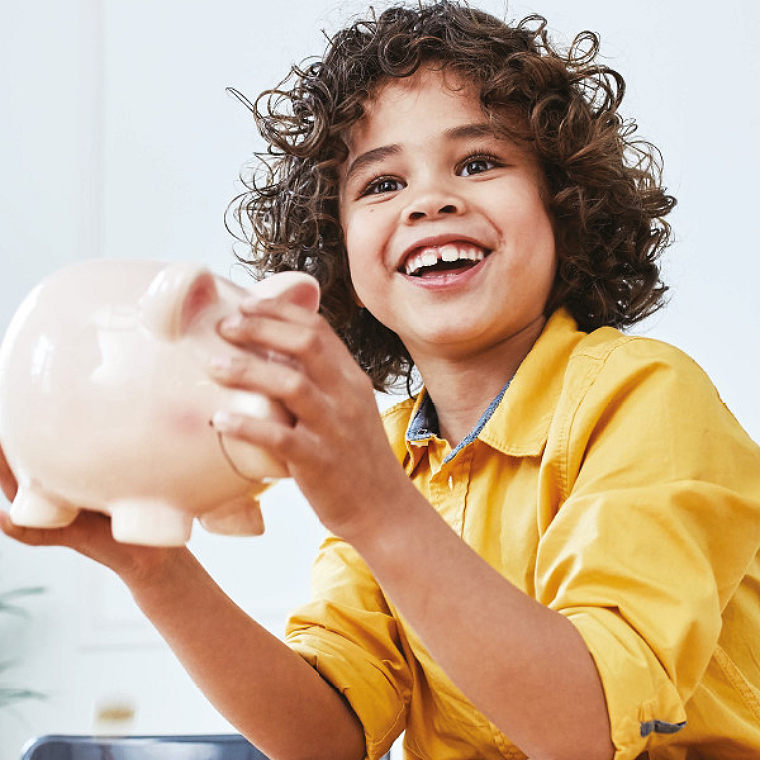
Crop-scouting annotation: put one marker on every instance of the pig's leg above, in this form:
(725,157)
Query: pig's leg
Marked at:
(150,522)
(239,517)
(33,509)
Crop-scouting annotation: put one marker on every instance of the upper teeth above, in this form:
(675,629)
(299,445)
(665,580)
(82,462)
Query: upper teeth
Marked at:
(431,255)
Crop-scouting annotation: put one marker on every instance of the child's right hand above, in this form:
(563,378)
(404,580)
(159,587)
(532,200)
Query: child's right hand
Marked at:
(90,535)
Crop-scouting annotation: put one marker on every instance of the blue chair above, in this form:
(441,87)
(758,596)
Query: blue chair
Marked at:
(208,747)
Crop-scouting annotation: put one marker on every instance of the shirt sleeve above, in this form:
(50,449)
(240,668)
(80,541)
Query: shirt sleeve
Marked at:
(348,634)
(658,523)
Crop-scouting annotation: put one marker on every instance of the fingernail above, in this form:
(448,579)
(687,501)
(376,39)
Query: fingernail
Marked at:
(223,421)
(220,364)
(231,323)
(252,304)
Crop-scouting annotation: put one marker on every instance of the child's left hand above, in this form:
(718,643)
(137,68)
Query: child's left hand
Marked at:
(335,448)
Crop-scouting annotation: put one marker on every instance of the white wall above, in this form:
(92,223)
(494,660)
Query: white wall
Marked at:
(118,139)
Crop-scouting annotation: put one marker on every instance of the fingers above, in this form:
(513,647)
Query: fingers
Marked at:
(330,398)
(284,329)
(30,536)
(282,441)
(286,384)
(89,534)
(314,361)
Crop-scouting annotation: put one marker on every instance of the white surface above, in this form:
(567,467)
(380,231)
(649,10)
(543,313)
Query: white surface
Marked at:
(118,139)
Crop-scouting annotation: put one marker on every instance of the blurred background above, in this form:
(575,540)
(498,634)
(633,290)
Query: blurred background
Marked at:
(117,139)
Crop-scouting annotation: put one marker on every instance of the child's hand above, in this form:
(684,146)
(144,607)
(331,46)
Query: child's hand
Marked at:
(335,448)
(263,693)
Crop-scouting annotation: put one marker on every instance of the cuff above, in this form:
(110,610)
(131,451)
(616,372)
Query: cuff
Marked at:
(644,706)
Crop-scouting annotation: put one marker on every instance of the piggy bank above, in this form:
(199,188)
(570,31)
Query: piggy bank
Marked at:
(106,401)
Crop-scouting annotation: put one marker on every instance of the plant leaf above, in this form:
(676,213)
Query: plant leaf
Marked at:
(15,609)
(9,694)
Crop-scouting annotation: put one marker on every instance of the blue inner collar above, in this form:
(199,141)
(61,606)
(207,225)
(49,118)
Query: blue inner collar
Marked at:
(424,424)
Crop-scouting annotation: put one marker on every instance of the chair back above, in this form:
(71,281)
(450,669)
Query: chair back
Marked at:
(185,747)
(200,747)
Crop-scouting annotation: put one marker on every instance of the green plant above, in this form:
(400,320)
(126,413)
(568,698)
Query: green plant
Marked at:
(9,694)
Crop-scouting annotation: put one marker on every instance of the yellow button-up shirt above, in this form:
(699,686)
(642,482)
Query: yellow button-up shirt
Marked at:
(611,484)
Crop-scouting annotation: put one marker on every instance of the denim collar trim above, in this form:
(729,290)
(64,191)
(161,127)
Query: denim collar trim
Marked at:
(424,424)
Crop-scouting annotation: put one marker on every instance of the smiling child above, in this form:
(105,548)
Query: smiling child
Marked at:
(551,548)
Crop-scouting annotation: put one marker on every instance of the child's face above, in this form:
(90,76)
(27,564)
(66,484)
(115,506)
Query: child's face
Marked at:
(449,243)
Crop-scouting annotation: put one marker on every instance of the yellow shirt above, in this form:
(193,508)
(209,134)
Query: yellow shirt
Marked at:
(612,485)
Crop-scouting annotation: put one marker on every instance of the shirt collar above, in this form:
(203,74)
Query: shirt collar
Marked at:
(424,423)
(519,423)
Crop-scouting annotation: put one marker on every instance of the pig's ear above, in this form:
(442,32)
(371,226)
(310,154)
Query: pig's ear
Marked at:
(296,287)
(177,295)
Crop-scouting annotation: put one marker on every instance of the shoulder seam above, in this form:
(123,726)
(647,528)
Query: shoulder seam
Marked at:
(598,359)
(605,350)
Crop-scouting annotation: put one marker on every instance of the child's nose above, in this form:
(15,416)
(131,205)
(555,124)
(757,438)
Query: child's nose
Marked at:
(431,204)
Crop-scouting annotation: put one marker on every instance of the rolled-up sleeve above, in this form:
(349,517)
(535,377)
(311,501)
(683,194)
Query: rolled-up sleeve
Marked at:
(657,525)
(349,636)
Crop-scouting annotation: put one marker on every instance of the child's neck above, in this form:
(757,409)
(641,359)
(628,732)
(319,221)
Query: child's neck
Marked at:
(462,389)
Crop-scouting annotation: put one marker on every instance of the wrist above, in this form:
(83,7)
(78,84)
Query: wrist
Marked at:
(391,527)
(151,568)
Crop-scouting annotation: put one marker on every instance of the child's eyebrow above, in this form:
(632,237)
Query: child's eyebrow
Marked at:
(371,157)
(461,132)
(466,131)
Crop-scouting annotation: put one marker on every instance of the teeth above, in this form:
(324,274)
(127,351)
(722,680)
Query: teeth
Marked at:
(430,256)
(449,252)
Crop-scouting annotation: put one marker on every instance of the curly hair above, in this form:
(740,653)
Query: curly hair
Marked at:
(603,189)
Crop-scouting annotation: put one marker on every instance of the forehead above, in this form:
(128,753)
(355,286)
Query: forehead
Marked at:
(430,98)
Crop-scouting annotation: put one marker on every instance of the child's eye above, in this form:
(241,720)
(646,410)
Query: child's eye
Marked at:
(382,185)
(477,165)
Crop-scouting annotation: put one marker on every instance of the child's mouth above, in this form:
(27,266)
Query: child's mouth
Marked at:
(450,257)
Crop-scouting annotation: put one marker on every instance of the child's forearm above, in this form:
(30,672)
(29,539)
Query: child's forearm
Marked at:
(267,691)
(523,665)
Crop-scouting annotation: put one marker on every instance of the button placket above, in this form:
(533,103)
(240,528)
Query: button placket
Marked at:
(450,485)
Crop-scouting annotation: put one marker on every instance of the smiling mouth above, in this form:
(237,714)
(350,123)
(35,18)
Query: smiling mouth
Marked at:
(431,260)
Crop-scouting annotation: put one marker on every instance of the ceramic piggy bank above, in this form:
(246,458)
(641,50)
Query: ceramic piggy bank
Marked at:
(106,401)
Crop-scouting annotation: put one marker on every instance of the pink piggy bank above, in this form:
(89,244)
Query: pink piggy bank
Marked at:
(106,401)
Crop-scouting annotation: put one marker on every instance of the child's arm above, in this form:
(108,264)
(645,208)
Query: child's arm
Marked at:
(518,661)
(260,685)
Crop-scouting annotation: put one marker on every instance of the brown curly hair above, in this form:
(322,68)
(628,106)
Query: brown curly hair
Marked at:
(603,188)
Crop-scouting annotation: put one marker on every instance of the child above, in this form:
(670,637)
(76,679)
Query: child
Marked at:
(557,554)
